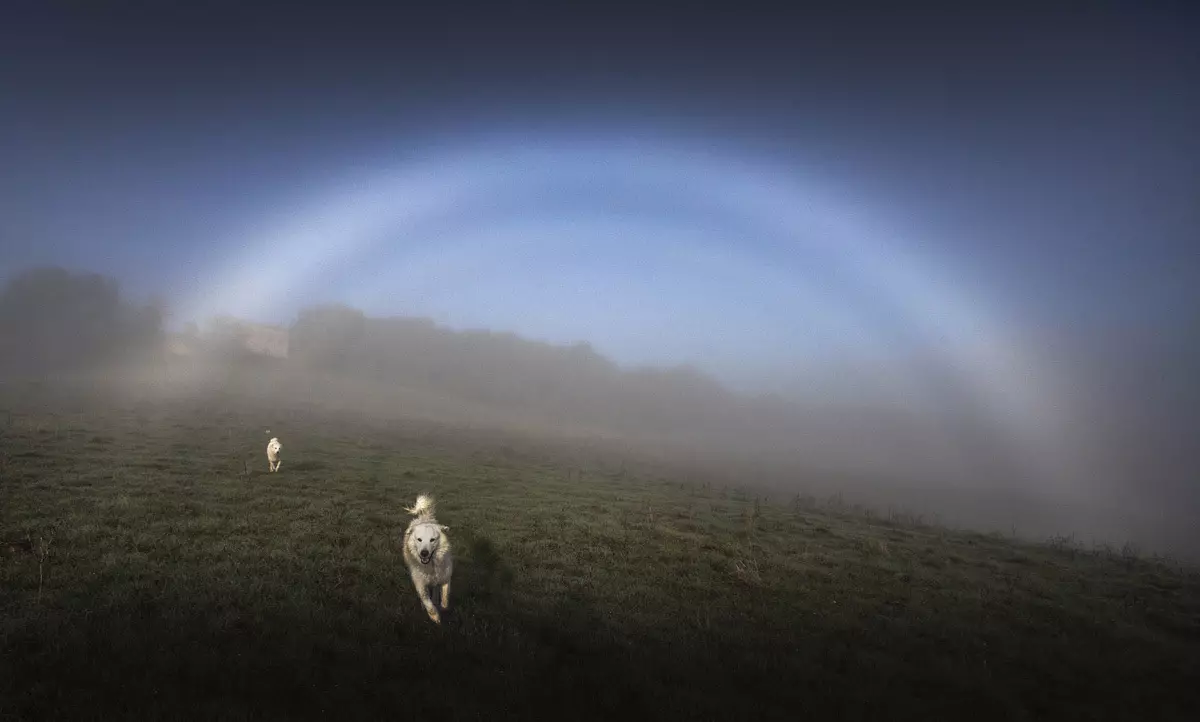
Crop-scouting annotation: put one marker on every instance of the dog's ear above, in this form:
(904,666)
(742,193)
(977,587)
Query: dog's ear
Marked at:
(443,527)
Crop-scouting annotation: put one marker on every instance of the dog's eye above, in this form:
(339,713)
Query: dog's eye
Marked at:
(420,539)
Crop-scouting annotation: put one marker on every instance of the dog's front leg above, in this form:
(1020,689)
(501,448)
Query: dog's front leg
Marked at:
(446,595)
(423,593)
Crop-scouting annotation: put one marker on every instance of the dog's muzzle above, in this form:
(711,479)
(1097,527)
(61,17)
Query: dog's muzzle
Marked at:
(425,557)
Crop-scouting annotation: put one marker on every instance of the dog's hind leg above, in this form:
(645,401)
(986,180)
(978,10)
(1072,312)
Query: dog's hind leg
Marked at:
(446,595)
(423,593)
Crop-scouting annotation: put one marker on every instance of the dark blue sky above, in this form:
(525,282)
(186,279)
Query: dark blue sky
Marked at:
(1038,164)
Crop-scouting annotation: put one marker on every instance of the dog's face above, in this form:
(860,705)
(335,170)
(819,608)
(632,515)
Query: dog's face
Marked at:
(275,445)
(425,540)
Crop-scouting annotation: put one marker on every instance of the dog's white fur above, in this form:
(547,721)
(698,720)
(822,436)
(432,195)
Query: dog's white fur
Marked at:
(427,555)
(273,447)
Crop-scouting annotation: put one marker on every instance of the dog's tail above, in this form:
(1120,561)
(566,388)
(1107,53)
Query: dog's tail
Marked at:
(423,508)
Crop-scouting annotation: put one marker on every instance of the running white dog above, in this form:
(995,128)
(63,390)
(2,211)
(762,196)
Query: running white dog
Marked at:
(273,448)
(427,555)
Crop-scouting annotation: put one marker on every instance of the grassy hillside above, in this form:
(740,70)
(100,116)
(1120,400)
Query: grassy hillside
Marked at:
(166,574)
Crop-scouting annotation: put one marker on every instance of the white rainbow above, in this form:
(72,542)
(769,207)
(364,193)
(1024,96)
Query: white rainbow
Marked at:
(439,196)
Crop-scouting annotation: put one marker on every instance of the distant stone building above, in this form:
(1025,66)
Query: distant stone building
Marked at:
(226,333)
(263,339)
(179,344)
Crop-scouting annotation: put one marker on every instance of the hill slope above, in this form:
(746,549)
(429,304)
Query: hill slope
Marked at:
(168,575)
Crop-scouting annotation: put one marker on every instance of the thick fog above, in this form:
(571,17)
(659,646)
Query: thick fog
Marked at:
(1116,466)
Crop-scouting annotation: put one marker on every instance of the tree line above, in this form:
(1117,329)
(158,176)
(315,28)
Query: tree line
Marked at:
(503,369)
(52,319)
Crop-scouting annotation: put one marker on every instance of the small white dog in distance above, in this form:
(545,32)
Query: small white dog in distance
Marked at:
(273,447)
(427,555)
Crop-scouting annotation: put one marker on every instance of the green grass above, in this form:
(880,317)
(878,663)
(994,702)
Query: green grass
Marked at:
(170,576)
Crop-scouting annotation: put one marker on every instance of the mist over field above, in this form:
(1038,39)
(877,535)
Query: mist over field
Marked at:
(839,430)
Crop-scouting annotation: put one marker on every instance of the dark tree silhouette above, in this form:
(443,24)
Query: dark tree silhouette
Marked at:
(503,369)
(52,319)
